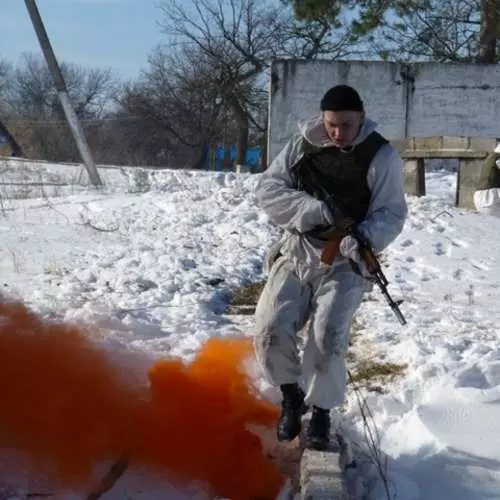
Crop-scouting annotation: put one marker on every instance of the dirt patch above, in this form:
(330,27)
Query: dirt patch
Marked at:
(375,375)
(367,367)
(245,298)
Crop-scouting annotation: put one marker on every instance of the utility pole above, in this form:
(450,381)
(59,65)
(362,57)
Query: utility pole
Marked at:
(62,93)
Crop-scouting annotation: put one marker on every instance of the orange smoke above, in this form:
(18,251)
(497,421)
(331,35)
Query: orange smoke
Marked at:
(67,406)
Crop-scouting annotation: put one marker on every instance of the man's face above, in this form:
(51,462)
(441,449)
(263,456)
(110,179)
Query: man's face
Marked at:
(342,127)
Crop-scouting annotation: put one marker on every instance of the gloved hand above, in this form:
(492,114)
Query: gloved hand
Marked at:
(349,248)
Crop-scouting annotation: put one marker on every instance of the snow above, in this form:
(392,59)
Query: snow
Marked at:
(151,259)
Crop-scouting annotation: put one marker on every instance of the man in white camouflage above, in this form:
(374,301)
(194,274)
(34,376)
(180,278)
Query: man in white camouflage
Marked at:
(363,173)
(487,195)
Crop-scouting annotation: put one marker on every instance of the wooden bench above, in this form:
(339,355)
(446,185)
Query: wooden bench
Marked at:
(470,152)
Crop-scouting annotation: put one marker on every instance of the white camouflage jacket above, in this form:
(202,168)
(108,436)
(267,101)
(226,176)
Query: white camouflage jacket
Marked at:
(297,212)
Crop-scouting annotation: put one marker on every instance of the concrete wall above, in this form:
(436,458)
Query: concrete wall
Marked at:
(419,99)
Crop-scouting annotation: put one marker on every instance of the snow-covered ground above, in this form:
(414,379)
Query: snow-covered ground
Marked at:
(151,258)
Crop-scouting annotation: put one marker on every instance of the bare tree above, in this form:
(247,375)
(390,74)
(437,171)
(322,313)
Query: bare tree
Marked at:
(489,33)
(241,37)
(5,71)
(32,91)
(35,112)
(177,104)
(438,30)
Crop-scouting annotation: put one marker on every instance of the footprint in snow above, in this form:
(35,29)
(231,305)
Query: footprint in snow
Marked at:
(439,249)
(427,274)
(458,243)
(479,265)
(416,225)
(406,243)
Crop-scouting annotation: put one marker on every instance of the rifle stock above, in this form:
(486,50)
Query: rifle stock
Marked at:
(341,229)
(331,250)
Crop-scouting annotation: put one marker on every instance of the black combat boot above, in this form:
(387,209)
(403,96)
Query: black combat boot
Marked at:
(292,409)
(318,432)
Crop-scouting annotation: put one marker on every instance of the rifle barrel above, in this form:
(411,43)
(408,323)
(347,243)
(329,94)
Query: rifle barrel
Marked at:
(393,305)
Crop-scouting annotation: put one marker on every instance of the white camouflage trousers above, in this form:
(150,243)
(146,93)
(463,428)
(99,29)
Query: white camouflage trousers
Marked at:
(325,303)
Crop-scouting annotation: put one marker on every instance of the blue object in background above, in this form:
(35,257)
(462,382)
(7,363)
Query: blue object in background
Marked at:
(252,160)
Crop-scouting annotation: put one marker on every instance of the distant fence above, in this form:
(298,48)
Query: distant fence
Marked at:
(220,158)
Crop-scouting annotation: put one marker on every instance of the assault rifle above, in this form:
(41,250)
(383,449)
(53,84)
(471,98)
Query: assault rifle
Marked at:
(346,226)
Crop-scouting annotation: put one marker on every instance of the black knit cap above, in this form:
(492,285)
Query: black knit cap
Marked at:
(341,98)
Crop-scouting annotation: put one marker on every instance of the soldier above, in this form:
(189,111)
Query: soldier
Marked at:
(363,173)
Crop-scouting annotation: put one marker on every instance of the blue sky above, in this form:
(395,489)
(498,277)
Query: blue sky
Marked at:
(119,34)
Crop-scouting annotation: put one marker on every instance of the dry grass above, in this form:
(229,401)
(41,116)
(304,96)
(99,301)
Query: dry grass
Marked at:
(356,331)
(368,370)
(248,294)
(374,375)
(245,298)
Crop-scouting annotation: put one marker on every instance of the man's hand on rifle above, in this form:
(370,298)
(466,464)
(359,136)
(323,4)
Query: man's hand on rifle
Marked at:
(349,248)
